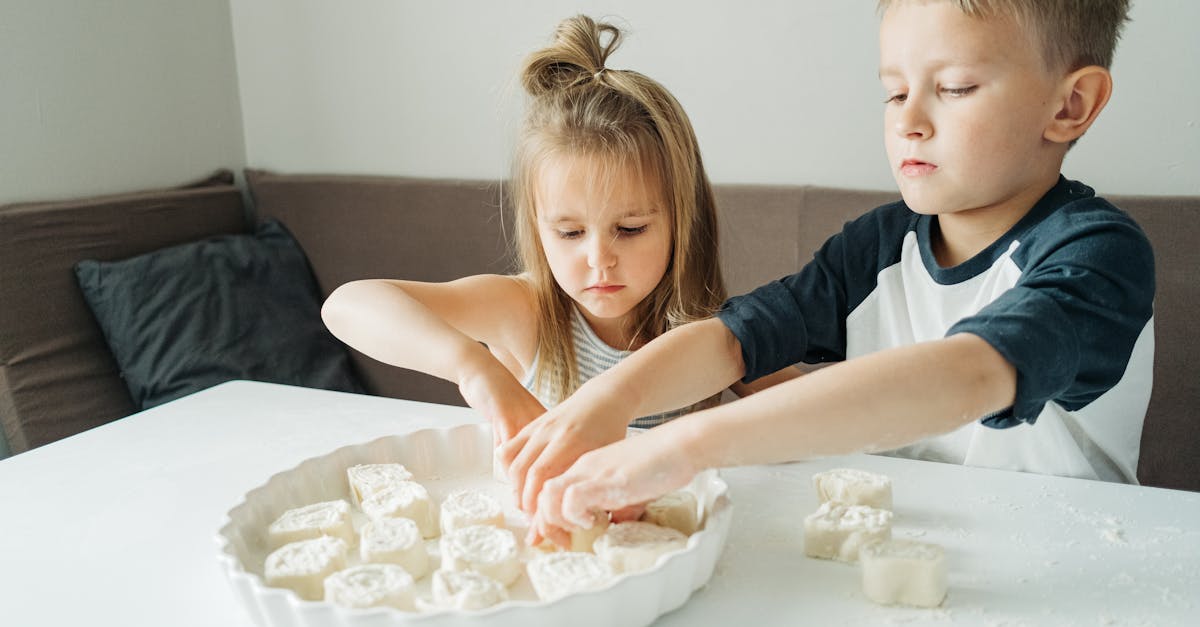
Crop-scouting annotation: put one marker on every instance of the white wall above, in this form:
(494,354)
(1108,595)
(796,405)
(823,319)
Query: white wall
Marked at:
(780,91)
(99,97)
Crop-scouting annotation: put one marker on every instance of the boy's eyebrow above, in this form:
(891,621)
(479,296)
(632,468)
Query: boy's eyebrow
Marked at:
(889,71)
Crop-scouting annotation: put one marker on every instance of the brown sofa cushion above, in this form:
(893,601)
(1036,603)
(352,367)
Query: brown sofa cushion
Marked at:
(360,227)
(57,377)
(1171,435)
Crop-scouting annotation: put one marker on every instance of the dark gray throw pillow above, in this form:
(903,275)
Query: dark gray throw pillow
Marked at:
(185,318)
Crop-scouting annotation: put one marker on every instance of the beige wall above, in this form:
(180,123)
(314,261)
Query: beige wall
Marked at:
(780,91)
(99,97)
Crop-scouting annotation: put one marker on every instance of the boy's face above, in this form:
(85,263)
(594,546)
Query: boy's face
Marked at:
(968,101)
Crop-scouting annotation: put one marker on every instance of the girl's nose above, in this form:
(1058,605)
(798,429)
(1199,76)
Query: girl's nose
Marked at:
(600,252)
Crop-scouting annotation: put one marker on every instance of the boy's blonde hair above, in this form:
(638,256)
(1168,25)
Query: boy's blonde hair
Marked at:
(1073,33)
(625,122)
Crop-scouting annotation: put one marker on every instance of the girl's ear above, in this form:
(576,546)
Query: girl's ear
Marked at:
(1083,95)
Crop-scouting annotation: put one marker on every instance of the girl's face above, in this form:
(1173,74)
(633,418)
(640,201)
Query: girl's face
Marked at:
(607,237)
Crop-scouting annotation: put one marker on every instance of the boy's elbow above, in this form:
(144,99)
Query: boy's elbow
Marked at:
(994,378)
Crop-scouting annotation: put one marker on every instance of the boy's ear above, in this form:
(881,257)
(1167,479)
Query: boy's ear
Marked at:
(1083,95)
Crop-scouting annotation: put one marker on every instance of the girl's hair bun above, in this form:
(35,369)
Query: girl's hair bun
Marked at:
(577,56)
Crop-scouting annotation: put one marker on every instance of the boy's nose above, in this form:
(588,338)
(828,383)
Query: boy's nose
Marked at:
(912,123)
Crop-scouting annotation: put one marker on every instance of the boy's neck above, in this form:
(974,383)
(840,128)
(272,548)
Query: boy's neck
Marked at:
(961,235)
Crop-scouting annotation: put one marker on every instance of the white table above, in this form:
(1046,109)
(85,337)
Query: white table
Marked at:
(115,526)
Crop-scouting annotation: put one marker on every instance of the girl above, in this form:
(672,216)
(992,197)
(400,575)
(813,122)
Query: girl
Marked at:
(616,233)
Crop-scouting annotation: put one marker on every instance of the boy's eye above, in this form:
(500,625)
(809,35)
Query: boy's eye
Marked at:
(959,91)
(631,230)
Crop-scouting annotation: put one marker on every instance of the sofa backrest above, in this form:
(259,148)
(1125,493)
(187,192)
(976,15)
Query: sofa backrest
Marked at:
(1170,437)
(364,227)
(57,377)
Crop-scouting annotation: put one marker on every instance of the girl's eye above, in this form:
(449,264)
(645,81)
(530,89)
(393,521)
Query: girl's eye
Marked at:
(896,99)
(959,91)
(570,234)
(631,230)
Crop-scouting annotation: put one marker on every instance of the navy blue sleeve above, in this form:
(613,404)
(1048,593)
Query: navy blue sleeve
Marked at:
(802,317)
(1070,323)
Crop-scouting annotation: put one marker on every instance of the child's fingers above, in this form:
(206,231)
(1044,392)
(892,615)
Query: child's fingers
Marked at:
(633,512)
(533,538)
(549,503)
(508,450)
(579,501)
(557,535)
(549,464)
(518,470)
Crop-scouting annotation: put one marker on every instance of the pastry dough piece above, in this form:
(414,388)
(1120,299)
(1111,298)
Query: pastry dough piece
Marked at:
(485,549)
(371,585)
(406,499)
(395,541)
(302,566)
(676,510)
(583,540)
(330,518)
(466,590)
(464,508)
(555,575)
(854,487)
(630,547)
(905,572)
(837,531)
(366,479)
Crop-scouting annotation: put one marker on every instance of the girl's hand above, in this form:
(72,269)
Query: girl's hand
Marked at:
(587,420)
(633,471)
(502,400)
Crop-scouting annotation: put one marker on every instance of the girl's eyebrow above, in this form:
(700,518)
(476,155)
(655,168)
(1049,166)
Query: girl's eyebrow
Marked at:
(554,217)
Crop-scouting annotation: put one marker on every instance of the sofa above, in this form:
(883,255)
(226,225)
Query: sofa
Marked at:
(58,377)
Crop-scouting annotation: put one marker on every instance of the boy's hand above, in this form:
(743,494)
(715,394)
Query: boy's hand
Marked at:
(589,419)
(615,477)
(502,400)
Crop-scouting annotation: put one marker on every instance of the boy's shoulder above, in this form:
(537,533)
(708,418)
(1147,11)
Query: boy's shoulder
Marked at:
(1077,218)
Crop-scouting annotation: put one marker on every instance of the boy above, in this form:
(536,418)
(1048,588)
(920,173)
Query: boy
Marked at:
(999,316)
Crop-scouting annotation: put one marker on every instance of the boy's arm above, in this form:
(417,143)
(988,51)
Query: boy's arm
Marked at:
(693,361)
(876,402)
(441,329)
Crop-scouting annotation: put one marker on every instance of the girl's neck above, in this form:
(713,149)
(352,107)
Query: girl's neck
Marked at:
(617,333)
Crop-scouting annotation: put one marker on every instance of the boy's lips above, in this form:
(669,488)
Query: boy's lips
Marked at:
(916,167)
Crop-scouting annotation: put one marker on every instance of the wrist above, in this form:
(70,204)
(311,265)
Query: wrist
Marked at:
(475,365)
(620,399)
(698,441)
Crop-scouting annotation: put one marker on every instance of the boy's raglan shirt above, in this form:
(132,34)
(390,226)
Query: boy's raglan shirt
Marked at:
(1066,296)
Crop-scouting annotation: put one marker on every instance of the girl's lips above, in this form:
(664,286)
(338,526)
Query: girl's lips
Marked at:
(605,289)
(915,167)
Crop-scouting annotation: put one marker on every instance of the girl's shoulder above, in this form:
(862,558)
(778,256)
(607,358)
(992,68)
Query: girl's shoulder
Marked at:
(506,305)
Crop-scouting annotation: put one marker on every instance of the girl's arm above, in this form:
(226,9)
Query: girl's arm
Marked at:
(477,332)
(876,402)
(775,378)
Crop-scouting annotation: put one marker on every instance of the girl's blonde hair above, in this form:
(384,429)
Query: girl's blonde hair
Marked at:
(625,121)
